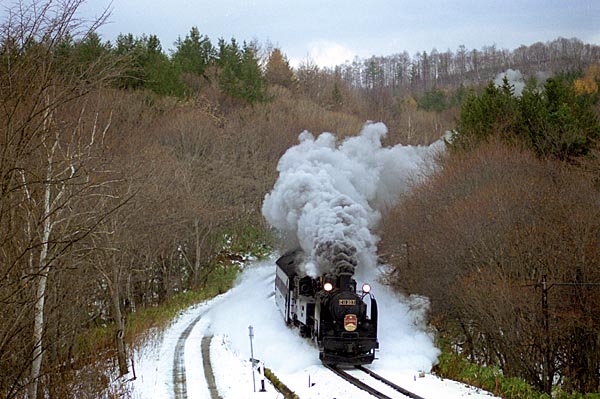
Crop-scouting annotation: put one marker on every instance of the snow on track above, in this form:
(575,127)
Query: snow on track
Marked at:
(154,362)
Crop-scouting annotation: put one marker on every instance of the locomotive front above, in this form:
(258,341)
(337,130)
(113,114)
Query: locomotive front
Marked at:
(328,309)
(345,332)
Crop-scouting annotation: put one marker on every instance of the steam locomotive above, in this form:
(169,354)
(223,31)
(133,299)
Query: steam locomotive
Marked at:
(329,310)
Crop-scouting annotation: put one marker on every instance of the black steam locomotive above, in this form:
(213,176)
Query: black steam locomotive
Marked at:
(328,310)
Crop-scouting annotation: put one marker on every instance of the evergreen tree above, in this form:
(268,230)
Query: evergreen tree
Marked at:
(131,49)
(149,66)
(194,53)
(433,100)
(161,74)
(240,75)
(229,61)
(337,99)
(253,81)
(90,49)
(558,121)
(494,113)
(555,121)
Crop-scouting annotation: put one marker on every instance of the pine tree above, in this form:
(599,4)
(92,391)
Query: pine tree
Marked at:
(161,74)
(240,75)
(130,48)
(571,126)
(253,82)
(494,113)
(194,53)
(555,121)
(149,66)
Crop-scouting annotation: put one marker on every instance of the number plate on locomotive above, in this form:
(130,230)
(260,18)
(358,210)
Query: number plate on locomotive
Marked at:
(347,302)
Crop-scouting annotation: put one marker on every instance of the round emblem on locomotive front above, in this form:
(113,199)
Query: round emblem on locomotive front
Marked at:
(350,322)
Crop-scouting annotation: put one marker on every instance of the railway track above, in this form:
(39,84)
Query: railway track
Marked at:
(179,372)
(376,386)
(179,380)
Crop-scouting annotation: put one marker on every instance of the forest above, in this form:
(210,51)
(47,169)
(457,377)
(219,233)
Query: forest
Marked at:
(131,176)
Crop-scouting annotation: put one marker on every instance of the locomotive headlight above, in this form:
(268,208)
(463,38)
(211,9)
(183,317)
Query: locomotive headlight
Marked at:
(328,286)
(366,288)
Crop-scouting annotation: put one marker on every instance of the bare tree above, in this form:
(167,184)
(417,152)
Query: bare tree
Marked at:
(481,238)
(48,152)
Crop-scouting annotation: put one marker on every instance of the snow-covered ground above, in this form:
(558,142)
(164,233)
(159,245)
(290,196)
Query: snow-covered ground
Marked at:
(405,350)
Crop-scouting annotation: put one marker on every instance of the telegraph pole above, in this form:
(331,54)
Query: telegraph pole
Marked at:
(547,377)
(251,333)
(547,356)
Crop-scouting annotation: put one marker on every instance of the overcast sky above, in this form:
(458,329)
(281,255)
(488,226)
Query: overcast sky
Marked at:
(333,31)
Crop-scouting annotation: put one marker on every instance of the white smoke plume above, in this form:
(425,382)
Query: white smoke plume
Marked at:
(331,195)
(514,77)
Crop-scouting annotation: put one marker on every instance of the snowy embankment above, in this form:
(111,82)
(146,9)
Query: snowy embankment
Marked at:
(406,350)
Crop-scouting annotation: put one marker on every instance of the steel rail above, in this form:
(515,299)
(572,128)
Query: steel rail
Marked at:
(356,382)
(389,383)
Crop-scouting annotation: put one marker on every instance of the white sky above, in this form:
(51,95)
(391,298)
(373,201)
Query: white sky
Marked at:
(333,31)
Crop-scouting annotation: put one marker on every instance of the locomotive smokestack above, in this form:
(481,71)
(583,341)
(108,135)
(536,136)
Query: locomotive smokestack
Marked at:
(345,282)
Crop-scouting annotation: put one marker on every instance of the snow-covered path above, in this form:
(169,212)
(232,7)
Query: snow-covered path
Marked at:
(293,359)
(158,361)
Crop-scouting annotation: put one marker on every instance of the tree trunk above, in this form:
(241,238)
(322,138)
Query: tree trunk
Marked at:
(119,322)
(38,330)
(196,281)
(44,269)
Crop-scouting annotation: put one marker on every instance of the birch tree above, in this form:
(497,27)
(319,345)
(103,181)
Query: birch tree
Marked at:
(51,140)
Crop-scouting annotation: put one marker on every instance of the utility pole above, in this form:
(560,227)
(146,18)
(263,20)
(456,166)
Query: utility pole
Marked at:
(251,333)
(546,375)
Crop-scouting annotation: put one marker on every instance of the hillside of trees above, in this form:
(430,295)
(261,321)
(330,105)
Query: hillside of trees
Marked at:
(504,239)
(130,175)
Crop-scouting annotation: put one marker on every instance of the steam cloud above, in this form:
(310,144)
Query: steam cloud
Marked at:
(329,197)
(514,77)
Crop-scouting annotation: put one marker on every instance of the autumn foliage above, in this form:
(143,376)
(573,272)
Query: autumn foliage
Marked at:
(479,238)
